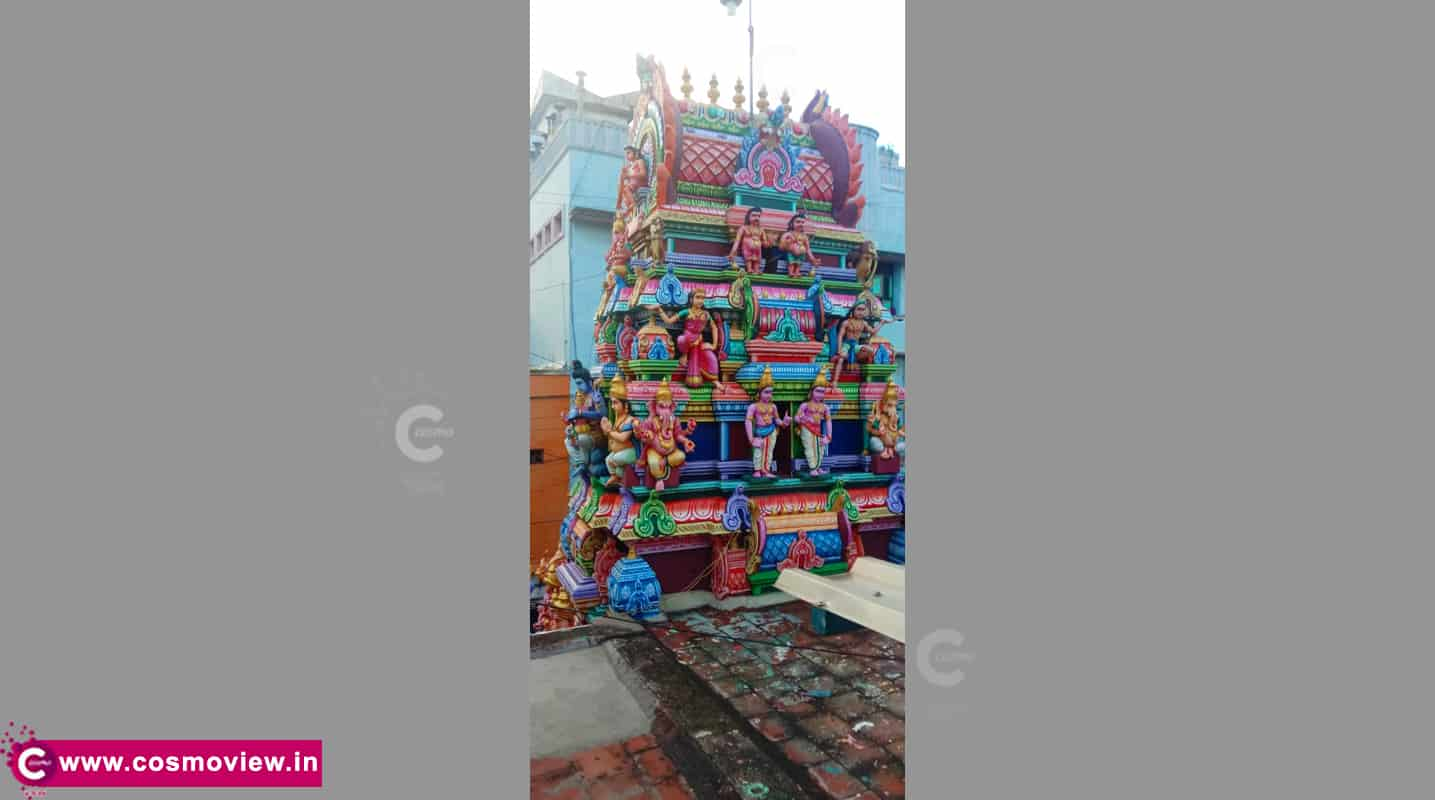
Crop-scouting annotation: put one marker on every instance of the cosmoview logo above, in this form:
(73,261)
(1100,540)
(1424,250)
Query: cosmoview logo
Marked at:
(35,763)
(408,433)
(938,653)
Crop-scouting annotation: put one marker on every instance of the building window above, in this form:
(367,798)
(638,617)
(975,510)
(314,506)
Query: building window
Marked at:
(546,236)
(535,455)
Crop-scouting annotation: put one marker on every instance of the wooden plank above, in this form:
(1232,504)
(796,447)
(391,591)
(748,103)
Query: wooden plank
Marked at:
(873,594)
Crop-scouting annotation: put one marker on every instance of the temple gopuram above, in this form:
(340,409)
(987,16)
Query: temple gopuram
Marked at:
(742,418)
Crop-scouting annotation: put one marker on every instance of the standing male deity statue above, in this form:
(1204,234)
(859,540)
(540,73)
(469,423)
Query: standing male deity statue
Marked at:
(762,423)
(814,425)
(581,422)
(798,247)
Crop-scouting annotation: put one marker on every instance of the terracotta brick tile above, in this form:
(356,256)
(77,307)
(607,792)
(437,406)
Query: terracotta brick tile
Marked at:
(541,767)
(709,670)
(638,744)
(802,751)
(749,705)
(656,765)
(888,781)
(560,786)
(733,654)
(772,688)
(844,667)
(798,705)
(772,727)
(798,668)
(850,706)
(600,762)
(805,638)
(619,787)
(892,670)
(895,703)
(885,729)
(671,790)
(823,727)
(837,782)
(819,683)
(730,687)
(753,671)
(852,753)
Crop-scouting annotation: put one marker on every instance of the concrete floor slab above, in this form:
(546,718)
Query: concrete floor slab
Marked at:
(576,701)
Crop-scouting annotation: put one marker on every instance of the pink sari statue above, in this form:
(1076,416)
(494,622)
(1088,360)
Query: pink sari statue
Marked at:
(698,359)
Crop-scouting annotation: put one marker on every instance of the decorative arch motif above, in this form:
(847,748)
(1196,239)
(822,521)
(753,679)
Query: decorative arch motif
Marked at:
(768,163)
(653,519)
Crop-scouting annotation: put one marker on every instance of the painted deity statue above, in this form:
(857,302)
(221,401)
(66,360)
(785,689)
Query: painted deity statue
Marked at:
(884,426)
(749,241)
(621,431)
(581,421)
(814,425)
(665,437)
(697,358)
(797,246)
(854,336)
(762,423)
(657,244)
(610,281)
(633,177)
(619,251)
(865,262)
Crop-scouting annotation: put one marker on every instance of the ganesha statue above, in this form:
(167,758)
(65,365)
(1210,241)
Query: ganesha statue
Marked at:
(665,439)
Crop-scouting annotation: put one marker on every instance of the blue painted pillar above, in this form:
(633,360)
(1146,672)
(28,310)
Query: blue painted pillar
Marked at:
(722,439)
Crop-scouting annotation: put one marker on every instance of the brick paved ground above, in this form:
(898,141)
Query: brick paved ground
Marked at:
(839,717)
(633,770)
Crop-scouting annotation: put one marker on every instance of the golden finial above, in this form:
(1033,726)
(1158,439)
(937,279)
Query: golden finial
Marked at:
(618,388)
(738,100)
(892,391)
(762,100)
(765,382)
(821,379)
(687,86)
(713,92)
(560,599)
(665,392)
(785,98)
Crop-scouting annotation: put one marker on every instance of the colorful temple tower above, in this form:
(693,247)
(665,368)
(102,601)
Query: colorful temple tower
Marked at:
(742,418)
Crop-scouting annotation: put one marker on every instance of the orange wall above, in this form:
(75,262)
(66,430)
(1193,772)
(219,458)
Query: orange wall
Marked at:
(547,482)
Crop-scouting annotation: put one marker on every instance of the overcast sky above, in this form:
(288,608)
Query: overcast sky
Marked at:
(854,50)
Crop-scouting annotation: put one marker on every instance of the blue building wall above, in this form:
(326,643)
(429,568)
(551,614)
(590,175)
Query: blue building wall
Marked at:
(589,244)
(549,276)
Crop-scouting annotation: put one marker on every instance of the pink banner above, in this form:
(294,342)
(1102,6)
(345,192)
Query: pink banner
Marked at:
(162,763)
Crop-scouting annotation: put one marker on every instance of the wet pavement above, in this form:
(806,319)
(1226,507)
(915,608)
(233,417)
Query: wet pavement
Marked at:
(635,769)
(784,715)
(837,719)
